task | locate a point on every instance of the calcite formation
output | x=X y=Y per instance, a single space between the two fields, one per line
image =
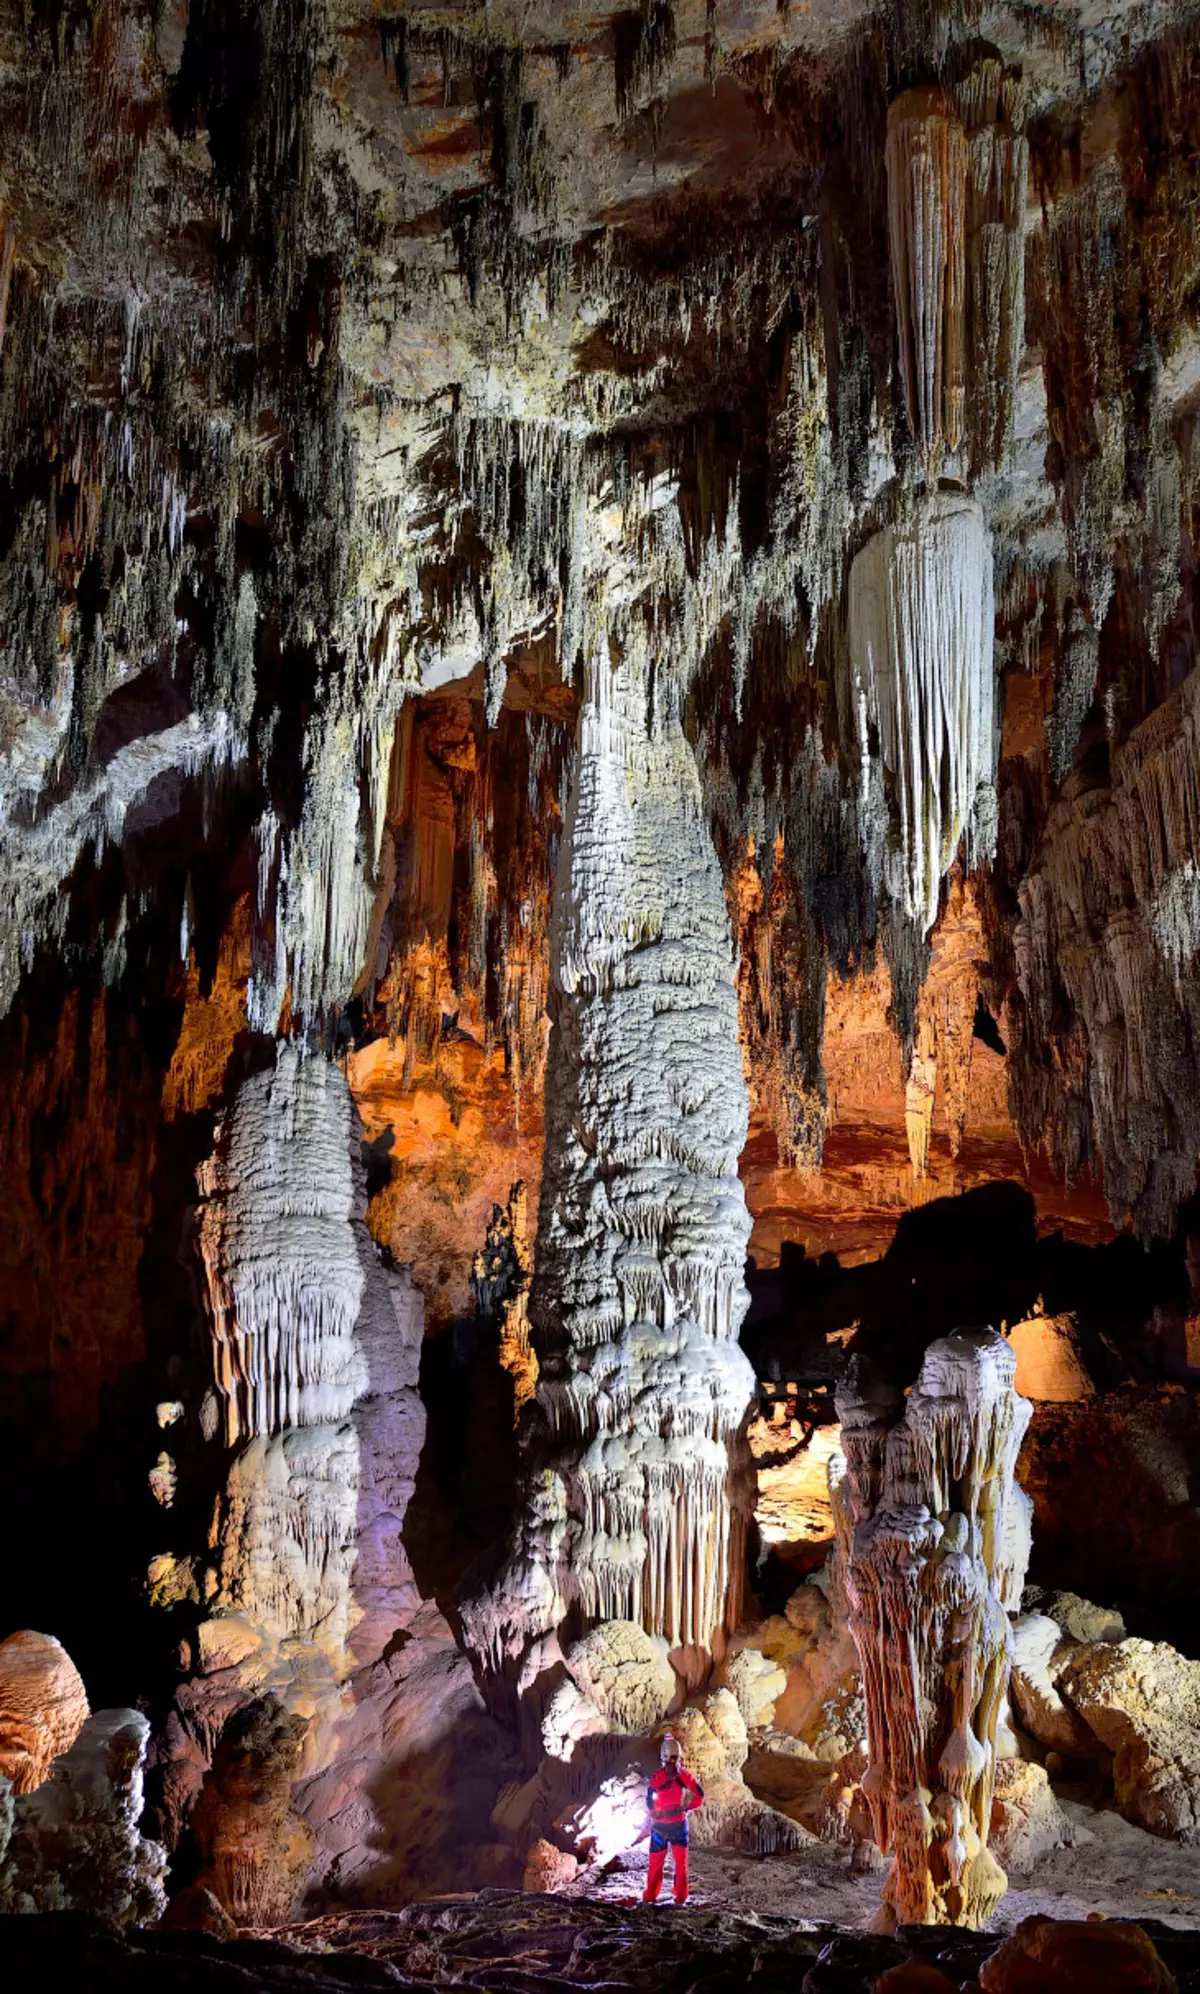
x=315 y=1352
x=934 y=1565
x=926 y=158
x=635 y=1508
x=921 y=634
x=43 y=1704
x=1105 y=946
x=316 y=1347
x=74 y=1843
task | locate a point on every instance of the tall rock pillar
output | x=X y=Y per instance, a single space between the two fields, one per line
x=635 y=1508
x=935 y=1545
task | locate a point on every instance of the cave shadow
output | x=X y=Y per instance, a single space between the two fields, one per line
x=961 y=1261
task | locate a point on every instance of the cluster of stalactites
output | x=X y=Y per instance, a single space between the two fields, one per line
x=921 y=635
x=936 y=1541
x=1106 y=947
x=957 y=175
x=635 y=1511
x=926 y=157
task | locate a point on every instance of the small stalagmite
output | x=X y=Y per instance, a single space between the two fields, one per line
x=937 y=1540
x=921 y=633
x=927 y=204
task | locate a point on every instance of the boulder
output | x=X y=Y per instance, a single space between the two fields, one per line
x=914 y=1976
x=625 y=1675
x=43 y=1706
x=1080 y=1619
x=1044 y=1956
x=1027 y=1821
x=1040 y=1654
x=195 y=1909
x=757 y=1683
x=548 y=1867
x=1142 y=1701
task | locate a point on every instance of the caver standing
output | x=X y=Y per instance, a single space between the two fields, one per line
x=673 y=1794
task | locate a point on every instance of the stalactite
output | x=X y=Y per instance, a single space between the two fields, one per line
x=927 y=208
x=921 y=629
x=1074 y=687
x=1100 y=944
x=500 y=1279
x=633 y=1504
x=936 y=1536
x=990 y=105
x=781 y=977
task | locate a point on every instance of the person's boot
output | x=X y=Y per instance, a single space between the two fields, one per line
x=681 y=1873
x=654 y=1876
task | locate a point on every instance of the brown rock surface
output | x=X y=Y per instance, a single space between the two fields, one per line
x=1142 y=1700
x=43 y=1705
x=1044 y=1957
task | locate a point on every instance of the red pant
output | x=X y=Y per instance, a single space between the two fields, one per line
x=658 y=1859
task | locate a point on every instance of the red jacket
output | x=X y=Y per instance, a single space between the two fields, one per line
x=667 y=1795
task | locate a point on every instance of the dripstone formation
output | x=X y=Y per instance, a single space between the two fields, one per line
x=599 y=853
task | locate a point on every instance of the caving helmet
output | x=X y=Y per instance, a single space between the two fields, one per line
x=669 y=1750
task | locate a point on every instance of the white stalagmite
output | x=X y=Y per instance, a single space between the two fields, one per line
x=926 y=158
x=316 y=1347
x=935 y=1543
x=921 y=630
x=284 y=1280
x=633 y=1507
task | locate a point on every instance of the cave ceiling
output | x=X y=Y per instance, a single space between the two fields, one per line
x=365 y=369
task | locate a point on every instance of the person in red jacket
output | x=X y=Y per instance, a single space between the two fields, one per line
x=673 y=1794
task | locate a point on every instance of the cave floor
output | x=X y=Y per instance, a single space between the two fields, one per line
x=764 y=1922
x=1115 y=1869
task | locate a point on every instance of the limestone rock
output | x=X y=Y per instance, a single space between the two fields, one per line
x=913 y=1976
x=631 y=1507
x=75 y=1843
x=43 y=1705
x=548 y=1867
x=1040 y=1654
x=921 y=637
x=1046 y=1957
x=1142 y=1700
x=624 y=1673
x=195 y=1909
x=1050 y=1366
x=255 y=1850
x=1079 y=1619
x=757 y=1683
x=930 y=1483
x=1027 y=1821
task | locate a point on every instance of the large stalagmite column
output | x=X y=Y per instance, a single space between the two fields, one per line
x=935 y=1545
x=921 y=631
x=634 y=1509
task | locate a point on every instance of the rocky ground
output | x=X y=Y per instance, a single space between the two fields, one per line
x=511 y=1944
x=1115 y=1870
